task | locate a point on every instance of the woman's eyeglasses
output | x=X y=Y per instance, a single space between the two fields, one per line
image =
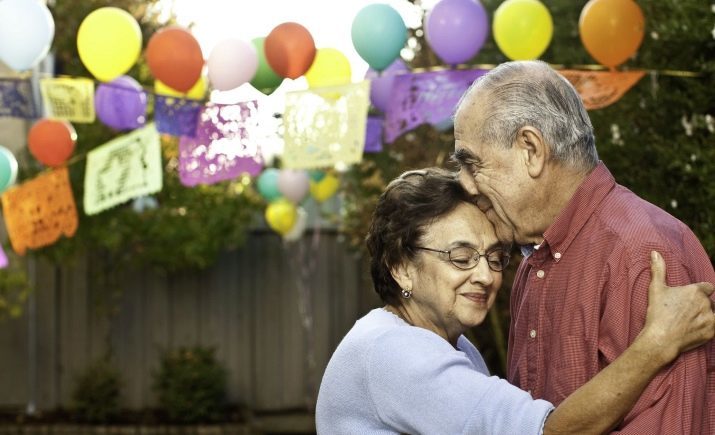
x=465 y=258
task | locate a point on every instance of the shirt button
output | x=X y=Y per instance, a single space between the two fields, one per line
x=540 y=274
x=557 y=255
x=532 y=333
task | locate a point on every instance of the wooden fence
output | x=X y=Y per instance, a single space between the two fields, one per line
x=248 y=306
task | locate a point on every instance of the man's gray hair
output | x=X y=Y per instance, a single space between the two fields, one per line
x=517 y=94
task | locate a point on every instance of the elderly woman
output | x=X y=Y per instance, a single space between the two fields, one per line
x=407 y=368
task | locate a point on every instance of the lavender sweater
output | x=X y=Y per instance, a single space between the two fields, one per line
x=387 y=377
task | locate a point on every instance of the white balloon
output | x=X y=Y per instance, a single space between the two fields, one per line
x=26 y=32
x=232 y=62
x=299 y=226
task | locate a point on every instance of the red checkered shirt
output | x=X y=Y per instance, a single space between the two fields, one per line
x=580 y=299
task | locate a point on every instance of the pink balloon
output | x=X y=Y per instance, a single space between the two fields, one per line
x=232 y=62
x=294 y=184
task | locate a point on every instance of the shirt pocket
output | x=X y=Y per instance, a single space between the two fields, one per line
x=569 y=366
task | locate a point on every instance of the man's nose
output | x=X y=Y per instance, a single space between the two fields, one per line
x=467 y=182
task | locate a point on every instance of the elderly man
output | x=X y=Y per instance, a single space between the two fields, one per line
x=526 y=149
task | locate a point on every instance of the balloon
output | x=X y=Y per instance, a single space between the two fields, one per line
x=289 y=50
x=8 y=168
x=265 y=80
x=611 y=30
x=324 y=188
x=109 y=42
x=174 y=57
x=330 y=68
x=381 y=84
x=316 y=175
x=26 y=32
x=456 y=29
x=299 y=227
x=121 y=104
x=378 y=33
x=51 y=141
x=522 y=29
x=232 y=62
x=267 y=184
x=281 y=215
x=195 y=93
x=293 y=184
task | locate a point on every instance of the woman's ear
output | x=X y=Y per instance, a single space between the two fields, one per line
x=401 y=274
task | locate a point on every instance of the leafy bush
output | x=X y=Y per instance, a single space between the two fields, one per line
x=95 y=398
x=191 y=385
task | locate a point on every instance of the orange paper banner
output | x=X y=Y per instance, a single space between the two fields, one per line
x=599 y=89
x=39 y=211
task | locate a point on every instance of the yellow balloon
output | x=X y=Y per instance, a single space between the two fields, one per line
x=109 y=42
x=281 y=215
x=325 y=188
x=522 y=29
x=197 y=92
x=330 y=68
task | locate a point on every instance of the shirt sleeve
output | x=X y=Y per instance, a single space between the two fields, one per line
x=675 y=400
x=419 y=384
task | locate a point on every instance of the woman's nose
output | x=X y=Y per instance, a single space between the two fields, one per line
x=482 y=274
x=467 y=181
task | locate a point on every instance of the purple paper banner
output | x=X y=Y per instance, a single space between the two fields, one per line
x=429 y=97
x=225 y=145
x=373 y=135
x=16 y=99
x=176 y=116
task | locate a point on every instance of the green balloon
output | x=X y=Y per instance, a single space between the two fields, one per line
x=8 y=168
x=316 y=175
x=265 y=79
x=268 y=184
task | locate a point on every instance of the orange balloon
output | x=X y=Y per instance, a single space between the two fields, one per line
x=289 y=50
x=51 y=141
x=174 y=57
x=611 y=30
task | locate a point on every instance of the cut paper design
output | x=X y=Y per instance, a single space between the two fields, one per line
x=16 y=99
x=123 y=169
x=176 y=116
x=39 y=211
x=599 y=89
x=69 y=99
x=226 y=145
x=325 y=126
x=373 y=135
x=429 y=97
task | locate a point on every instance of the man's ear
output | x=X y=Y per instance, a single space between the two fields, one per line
x=401 y=274
x=533 y=149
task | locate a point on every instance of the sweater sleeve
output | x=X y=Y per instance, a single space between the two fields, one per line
x=419 y=384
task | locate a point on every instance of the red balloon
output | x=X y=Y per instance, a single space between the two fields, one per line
x=51 y=141
x=174 y=57
x=289 y=50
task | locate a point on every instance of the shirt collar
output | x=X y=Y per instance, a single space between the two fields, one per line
x=579 y=209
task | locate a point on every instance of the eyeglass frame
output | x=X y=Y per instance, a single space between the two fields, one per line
x=505 y=256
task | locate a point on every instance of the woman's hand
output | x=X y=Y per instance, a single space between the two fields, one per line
x=678 y=318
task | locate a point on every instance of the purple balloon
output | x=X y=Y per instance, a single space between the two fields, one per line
x=381 y=83
x=457 y=29
x=121 y=104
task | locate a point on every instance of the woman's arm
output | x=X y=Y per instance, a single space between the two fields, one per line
x=678 y=319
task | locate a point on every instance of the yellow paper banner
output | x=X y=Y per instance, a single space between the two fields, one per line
x=39 y=211
x=122 y=169
x=325 y=126
x=68 y=98
x=599 y=89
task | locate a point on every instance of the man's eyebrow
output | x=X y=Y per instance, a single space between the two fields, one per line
x=463 y=157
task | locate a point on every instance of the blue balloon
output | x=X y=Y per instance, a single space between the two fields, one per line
x=378 y=33
x=8 y=168
x=268 y=184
